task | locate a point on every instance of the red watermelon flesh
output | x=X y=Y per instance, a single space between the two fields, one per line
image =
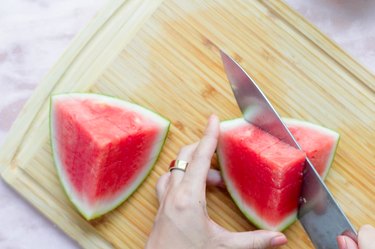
x=318 y=142
x=262 y=174
x=103 y=148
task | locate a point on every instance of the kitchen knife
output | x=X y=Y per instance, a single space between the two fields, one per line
x=320 y=215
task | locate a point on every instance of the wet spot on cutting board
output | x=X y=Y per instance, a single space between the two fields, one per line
x=237 y=58
x=179 y=125
x=208 y=91
x=208 y=43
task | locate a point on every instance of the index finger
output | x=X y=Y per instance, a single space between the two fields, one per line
x=196 y=172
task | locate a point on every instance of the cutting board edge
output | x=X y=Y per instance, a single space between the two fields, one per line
x=17 y=134
x=13 y=179
x=15 y=175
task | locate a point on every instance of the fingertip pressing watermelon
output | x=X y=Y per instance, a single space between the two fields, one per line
x=103 y=148
x=263 y=175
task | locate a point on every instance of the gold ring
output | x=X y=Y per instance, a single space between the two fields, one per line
x=178 y=164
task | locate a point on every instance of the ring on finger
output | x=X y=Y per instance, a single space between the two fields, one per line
x=179 y=165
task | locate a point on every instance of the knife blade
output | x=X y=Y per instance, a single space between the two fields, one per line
x=319 y=213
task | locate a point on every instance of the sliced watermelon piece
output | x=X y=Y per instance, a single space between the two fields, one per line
x=103 y=148
x=264 y=175
x=318 y=142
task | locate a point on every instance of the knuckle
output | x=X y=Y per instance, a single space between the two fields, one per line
x=257 y=244
x=182 y=200
x=201 y=156
x=221 y=243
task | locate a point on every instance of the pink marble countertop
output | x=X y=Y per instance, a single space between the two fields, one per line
x=34 y=33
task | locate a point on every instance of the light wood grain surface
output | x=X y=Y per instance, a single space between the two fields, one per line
x=164 y=55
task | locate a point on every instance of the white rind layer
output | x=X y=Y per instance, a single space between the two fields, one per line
x=233 y=123
x=105 y=205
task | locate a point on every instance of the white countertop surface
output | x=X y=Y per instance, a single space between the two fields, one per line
x=34 y=33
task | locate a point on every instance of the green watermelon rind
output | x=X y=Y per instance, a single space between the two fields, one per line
x=164 y=135
x=322 y=129
x=253 y=218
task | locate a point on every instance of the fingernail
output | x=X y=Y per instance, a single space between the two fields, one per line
x=278 y=240
x=211 y=119
x=212 y=116
x=342 y=242
x=345 y=243
x=349 y=244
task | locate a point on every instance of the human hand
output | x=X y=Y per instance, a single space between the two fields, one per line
x=366 y=239
x=182 y=220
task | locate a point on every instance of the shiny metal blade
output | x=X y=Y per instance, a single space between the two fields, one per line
x=320 y=215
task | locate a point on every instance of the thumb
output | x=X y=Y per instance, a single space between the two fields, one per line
x=345 y=242
x=257 y=239
x=366 y=236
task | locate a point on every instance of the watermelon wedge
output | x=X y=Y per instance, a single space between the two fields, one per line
x=103 y=148
x=263 y=175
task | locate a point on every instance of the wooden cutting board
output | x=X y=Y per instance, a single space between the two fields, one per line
x=164 y=55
